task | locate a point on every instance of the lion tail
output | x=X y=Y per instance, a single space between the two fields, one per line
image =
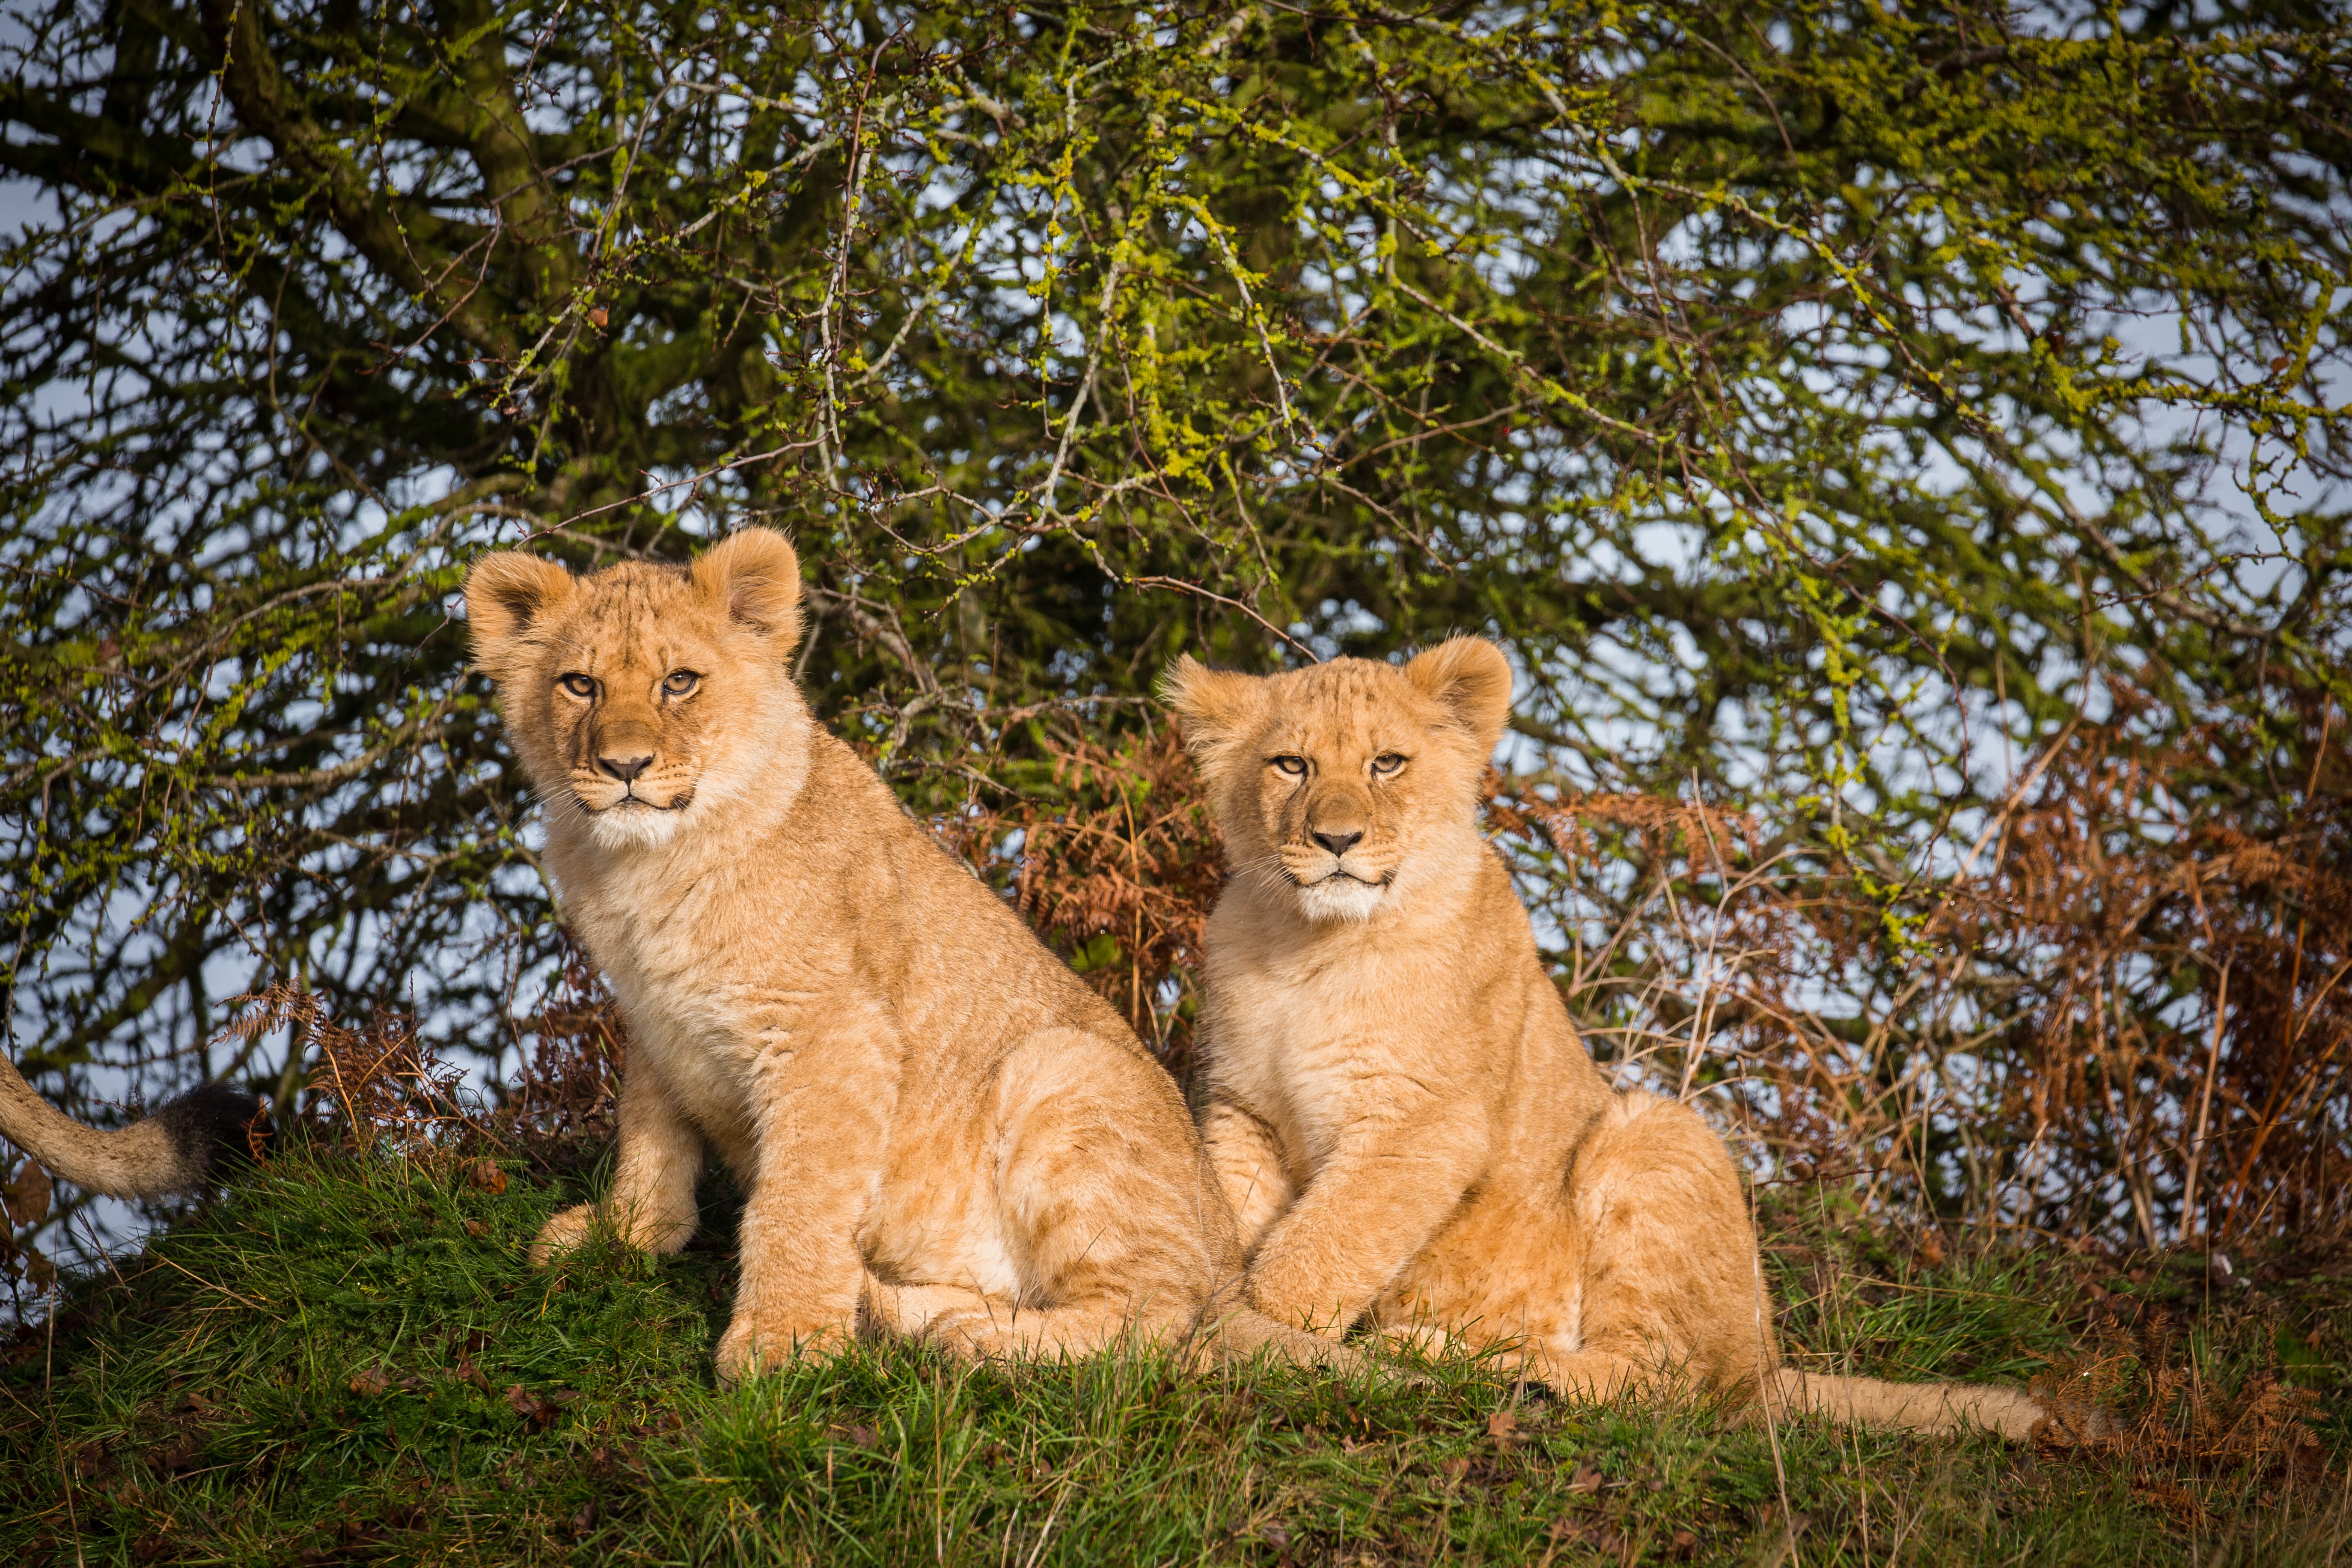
x=176 y=1150
x=1929 y=1407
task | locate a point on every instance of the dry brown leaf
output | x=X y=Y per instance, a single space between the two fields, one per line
x=529 y=1405
x=28 y=1195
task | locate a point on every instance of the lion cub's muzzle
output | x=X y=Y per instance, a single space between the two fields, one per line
x=626 y=771
x=1338 y=859
x=1339 y=876
x=599 y=795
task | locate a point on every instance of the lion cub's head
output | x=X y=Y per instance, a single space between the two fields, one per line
x=1334 y=785
x=644 y=697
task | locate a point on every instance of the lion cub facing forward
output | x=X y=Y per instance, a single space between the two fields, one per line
x=1404 y=1120
x=938 y=1126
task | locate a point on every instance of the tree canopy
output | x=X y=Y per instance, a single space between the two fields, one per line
x=1834 y=407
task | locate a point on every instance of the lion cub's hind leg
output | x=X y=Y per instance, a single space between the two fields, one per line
x=651 y=1204
x=1672 y=1295
x=1666 y=1276
x=1104 y=1210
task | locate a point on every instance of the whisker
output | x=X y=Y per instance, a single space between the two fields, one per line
x=1267 y=872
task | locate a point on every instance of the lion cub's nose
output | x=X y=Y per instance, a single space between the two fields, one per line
x=1338 y=843
x=625 y=769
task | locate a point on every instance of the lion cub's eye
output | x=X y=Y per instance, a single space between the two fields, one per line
x=680 y=682
x=1386 y=764
x=581 y=685
x=1290 y=767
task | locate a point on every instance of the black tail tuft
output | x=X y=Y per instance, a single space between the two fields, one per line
x=214 y=1127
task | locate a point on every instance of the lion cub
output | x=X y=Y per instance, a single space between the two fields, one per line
x=1405 y=1122
x=939 y=1129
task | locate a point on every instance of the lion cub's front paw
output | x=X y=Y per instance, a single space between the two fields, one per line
x=562 y=1233
x=748 y=1349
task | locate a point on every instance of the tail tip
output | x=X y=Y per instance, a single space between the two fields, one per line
x=215 y=1128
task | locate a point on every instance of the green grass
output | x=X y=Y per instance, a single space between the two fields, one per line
x=350 y=1362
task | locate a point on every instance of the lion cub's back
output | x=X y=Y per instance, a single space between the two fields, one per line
x=961 y=963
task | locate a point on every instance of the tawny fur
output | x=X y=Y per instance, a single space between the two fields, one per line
x=1405 y=1123
x=939 y=1131
x=178 y=1149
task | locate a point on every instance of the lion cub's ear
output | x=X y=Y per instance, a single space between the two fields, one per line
x=508 y=596
x=1213 y=706
x=1472 y=679
x=756 y=578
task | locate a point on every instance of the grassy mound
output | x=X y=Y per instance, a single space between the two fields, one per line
x=347 y=1359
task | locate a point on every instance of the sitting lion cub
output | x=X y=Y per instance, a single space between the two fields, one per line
x=1406 y=1125
x=939 y=1129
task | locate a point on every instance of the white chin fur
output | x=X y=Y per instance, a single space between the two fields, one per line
x=1337 y=898
x=633 y=827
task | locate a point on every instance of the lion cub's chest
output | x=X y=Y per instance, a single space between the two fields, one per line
x=1310 y=1047
x=689 y=982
